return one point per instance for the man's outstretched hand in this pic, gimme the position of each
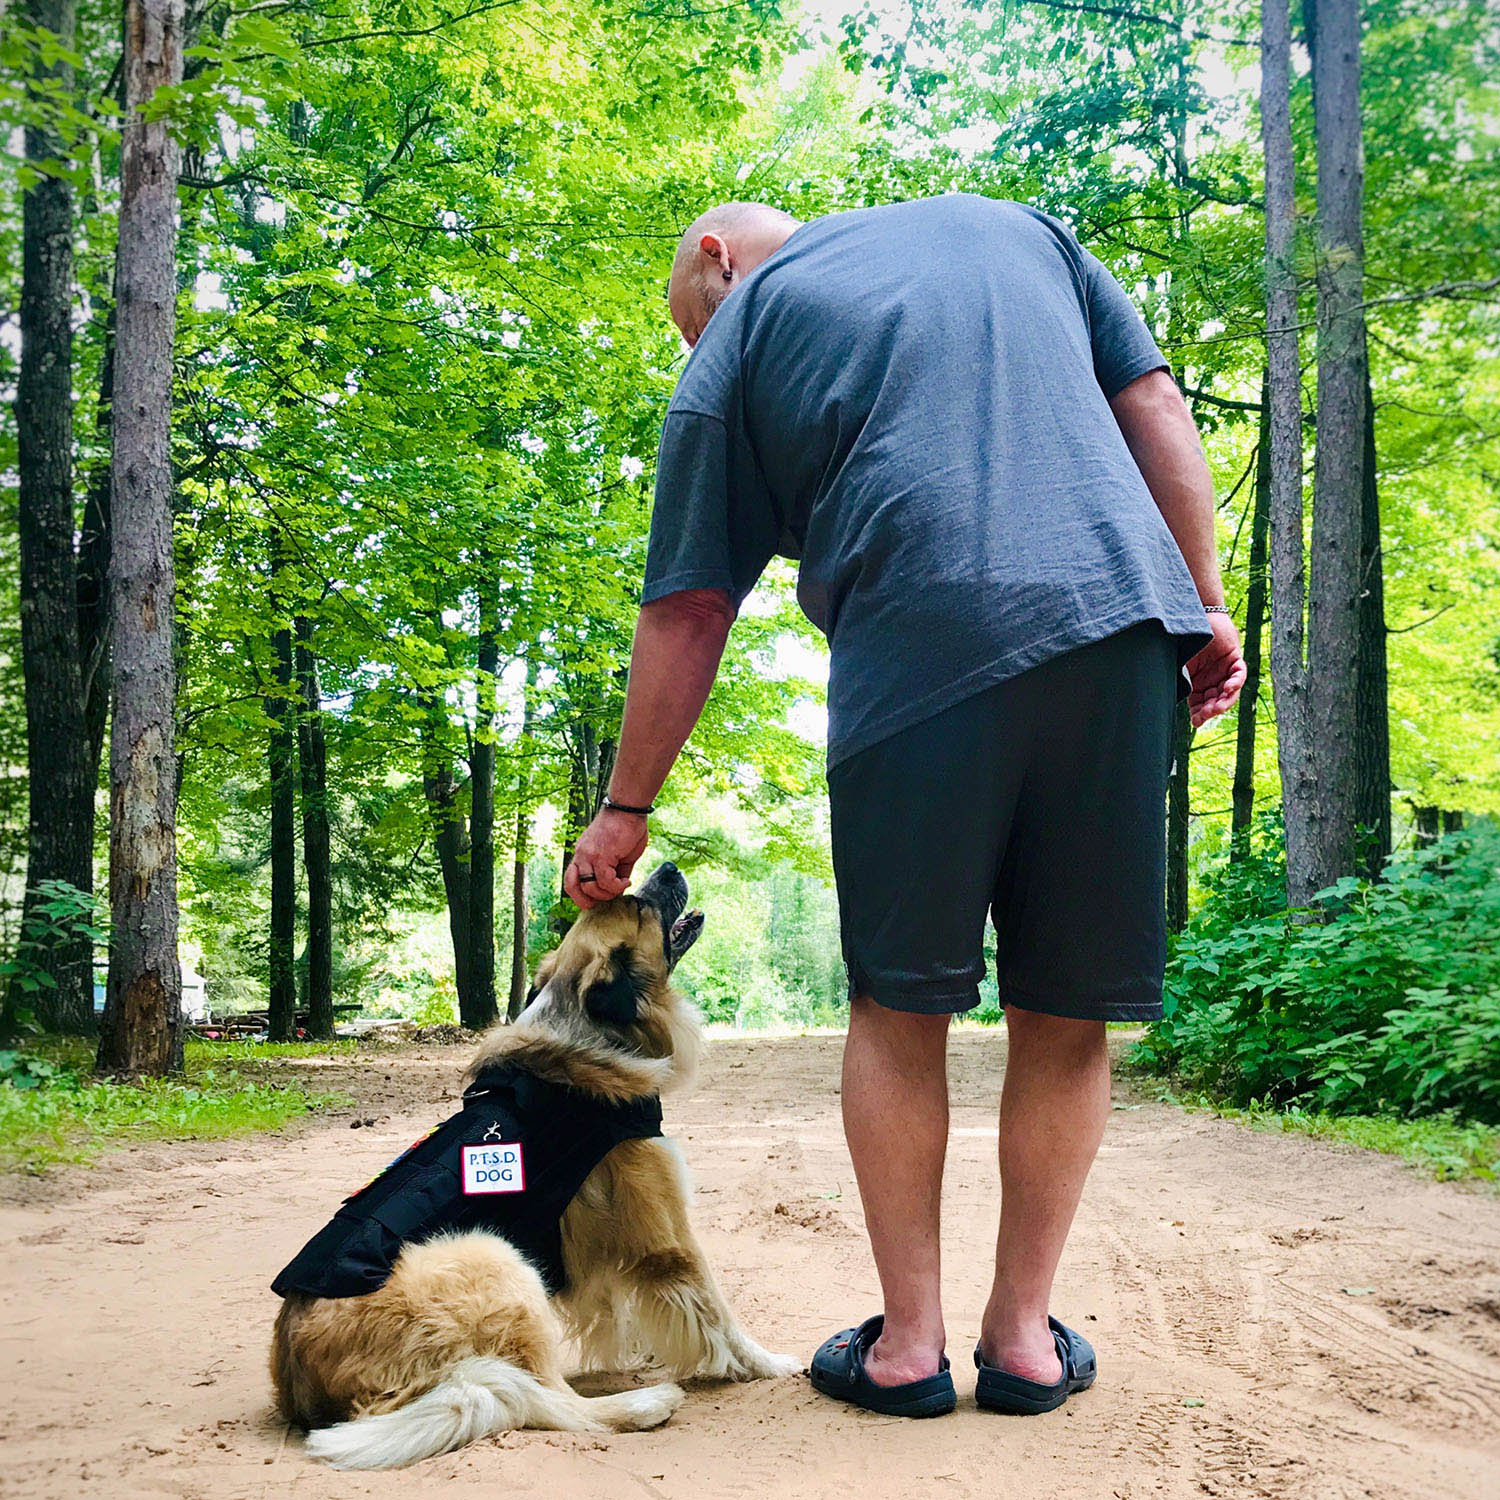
(1217, 673)
(604, 856)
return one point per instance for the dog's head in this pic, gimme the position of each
(605, 993)
(616, 959)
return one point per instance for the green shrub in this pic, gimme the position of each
(52, 1110)
(1383, 999)
(1438, 1145)
(62, 914)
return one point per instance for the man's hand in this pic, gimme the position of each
(604, 856)
(1217, 673)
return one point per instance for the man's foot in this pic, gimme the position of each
(838, 1370)
(1029, 1351)
(1008, 1390)
(886, 1364)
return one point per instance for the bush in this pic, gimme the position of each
(1383, 999)
(52, 1110)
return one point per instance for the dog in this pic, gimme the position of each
(456, 1332)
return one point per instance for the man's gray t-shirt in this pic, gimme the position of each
(914, 401)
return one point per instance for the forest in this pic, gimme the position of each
(335, 353)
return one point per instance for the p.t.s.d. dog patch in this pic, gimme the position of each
(494, 1168)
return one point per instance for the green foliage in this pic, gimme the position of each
(1383, 999)
(438, 1006)
(52, 1111)
(1123, 121)
(1442, 1146)
(422, 365)
(23, 1072)
(419, 395)
(769, 954)
(61, 912)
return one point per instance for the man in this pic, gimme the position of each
(957, 420)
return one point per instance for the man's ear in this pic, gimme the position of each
(716, 250)
(612, 999)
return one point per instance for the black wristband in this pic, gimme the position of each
(639, 812)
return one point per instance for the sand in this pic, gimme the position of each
(1273, 1316)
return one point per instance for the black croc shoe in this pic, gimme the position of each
(999, 1390)
(838, 1370)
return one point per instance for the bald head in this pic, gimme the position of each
(716, 252)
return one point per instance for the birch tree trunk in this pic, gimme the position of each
(142, 1031)
(60, 828)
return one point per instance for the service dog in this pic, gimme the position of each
(453, 1292)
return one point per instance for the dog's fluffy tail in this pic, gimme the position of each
(479, 1396)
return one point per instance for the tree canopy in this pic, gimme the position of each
(422, 358)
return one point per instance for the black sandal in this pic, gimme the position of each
(838, 1370)
(1000, 1390)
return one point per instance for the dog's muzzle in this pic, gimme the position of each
(666, 892)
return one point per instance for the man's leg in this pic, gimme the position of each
(1052, 1115)
(895, 1098)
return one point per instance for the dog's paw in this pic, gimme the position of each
(649, 1406)
(763, 1365)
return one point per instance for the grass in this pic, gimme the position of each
(1439, 1146)
(52, 1111)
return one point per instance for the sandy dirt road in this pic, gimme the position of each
(1274, 1317)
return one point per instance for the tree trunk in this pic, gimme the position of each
(592, 764)
(519, 912)
(283, 767)
(520, 921)
(479, 1008)
(1331, 818)
(1177, 819)
(583, 767)
(1432, 822)
(583, 757)
(1373, 723)
(451, 841)
(312, 757)
(60, 834)
(143, 1012)
(1243, 797)
(93, 572)
(94, 538)
(1299, 784)
(604, 770)
(1428, 826)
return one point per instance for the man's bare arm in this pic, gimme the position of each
(1163, 440)
(679, 641)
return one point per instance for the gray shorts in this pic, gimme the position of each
(1040, 801)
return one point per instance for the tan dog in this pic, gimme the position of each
(462, 1339)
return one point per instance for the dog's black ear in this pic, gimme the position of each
(614, 1000)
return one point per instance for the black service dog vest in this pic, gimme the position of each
(509, 1161)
